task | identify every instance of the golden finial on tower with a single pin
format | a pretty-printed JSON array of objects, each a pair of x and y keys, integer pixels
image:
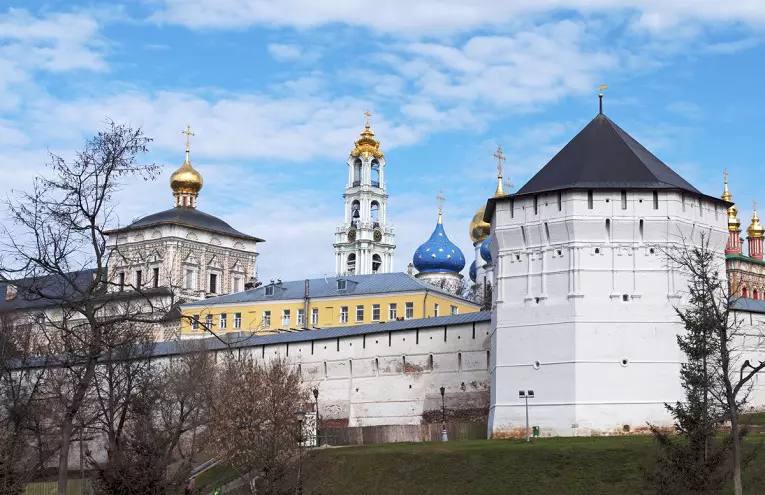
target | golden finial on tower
[
  {"x": 187, "y": 132},
  {"x": 755, "y": 229},
  {"x": 441, "y": 200},
  {"x": 726, "y": 195},
  {"x": 367, "y": 145},
  {"x": 600, "y": 96},
  {"x": 186, "y": 182},
  {"x": 368, "y": 115},
  {"x": 500, "y": 158}
]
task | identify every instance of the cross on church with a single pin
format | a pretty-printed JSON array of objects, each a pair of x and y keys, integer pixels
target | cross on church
[
  {"x": 441, "y": 200},
  {"x": 500, "y": 158},
  {"x": 367, "y": 115},
  {"x": 509, "y": 185},
  {"x": 188, "y": 134},
  {"x": 725, "y": 174}
]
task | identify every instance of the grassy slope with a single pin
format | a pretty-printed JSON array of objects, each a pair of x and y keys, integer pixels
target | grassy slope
[{"x": 599, "y": 465}]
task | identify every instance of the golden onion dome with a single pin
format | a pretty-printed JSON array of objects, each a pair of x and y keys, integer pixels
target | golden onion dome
[
  {"x": 734, "y": 224},
  {"x": 367, "y": 145},
  {"x": 755, "y": 230},
  {"x": 479, "y": 230},
  {"x": 186, "y": 179}
]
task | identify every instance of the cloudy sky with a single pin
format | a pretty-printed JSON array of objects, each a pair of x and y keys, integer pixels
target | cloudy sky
[{"x": 276, "y": 89}]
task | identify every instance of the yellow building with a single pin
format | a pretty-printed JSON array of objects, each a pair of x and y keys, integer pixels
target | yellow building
[{"x": 322, "y": 303}]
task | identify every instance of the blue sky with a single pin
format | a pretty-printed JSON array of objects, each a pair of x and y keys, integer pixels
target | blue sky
[{"x": 276, "y": 91}]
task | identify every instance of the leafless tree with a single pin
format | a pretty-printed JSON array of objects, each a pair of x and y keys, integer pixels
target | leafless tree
[
  {"x": 55, "y": 249},
  {"x": 712, "y": 306},
  {"x": 25, "y": 419},
  {"x": 254, "y": 428}
]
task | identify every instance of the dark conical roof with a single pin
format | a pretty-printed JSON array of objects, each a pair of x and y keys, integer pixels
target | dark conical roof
[{"x": 603, "y": 156}]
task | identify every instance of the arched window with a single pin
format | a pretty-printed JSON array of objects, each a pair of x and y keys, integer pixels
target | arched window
[
  {"x": 357, "y": 173},
  {"x": 374, "y": 209},
  {"x": 355, "y": 213},
  {"x": 351, "y": 264},
  {"x": 755, "y": 294},
  {"x": 375, "y": 173},
  {"x": 744, "y": 292},
  {"x": 376, "y": 263}
]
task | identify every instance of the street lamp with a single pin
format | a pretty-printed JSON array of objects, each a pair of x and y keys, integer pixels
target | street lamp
[
  {"x": 318, "y": 417},
  {"x": 444, "y": 435},
  {"x": 526, "y": 394},
  {"x": 300, "y": 416}
]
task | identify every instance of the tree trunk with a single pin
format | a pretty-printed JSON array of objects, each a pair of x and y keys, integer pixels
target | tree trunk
[
  {"x": 734, "y": 428},
  {"x": 63, "y": 456}
]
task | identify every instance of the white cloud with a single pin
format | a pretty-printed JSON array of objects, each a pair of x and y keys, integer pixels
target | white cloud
[
  {"x": 686, "y": 109},
  {"x": 730, "y": 47},
  {"x": 291, "y": 53}
]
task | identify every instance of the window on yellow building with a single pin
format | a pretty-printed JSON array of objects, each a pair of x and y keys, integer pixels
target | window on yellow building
[
  {"x": 208, "y": 322},
  {"x": 237, "y": 320},
  {"x": 435, "y": 309},
  {"x": 392, "y": 311},
  {"x": 195, "y": 322},
  {"x": 222, "y": 324},
  {"x": 285, "y": 317},
  {"x": 343, "y": 314},
  {"x": 300, "y": 317},
  {"x": 315, "y": 316},
  {"x": 359, "y": 313},
  {"x": 266, "y": 319},
  {"x": 409, "y": 310},
  {"x": 455, "y": 310},
  {"x": 375, "y": 312}
]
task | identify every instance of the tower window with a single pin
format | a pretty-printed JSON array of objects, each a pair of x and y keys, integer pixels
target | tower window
[
  {"x": 641, "y": 230},
  {"x": 156, "y": 276},
  {"x": 536, "y": 205},
  {"x": 547, "y": 233},
  {"x": 350, "y": 264},
  {"x": 682, "y": 200},
  {"x": 608, "y": 230},
  {"x": 590, "y": 200},
  {"x": 374, "y": 211},
  {"x": 357, "y": 173},
  {"x": 213, "y": 283},
  {"x": 512, "y": 208},
  {"x": 560, "y": 201},
  {"x": 376, "y": 263},
  {"x": 375, "y": 174},
  {"x": 624, "y": 199},
  {"x": 656, "y": 200}
]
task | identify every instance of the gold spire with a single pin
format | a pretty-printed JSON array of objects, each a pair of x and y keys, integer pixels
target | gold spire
[
  {"x": 441, "y": 200},
  {"x": 755, "y": 230},
  {"x": 500, "y": 158},
  {"x": 186, "y": 180},
  {"x": 734, "y": 224},
  {"x": 367, "y": 145}
]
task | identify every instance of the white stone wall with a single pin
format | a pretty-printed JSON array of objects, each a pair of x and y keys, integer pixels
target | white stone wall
[{"x": 585, "y": 308}]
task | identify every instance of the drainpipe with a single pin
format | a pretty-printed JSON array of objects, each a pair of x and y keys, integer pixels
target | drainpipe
[
  {"x": 424, "y": 305},
  {"x": 305, "y": 304}
]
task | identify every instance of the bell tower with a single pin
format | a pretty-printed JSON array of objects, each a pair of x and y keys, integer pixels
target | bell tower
[{"x": 365, "y": 242}]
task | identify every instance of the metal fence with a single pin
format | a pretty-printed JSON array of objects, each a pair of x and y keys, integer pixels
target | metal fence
[{"x": 368, "y": 435}]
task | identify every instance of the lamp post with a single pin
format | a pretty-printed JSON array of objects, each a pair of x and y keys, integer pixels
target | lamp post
[
  {"x": 300, "y": 416},
  {"x": 526, "y": 394},
  {"x": 318, "y": 417},
  {"x": 444, "y": 435}
]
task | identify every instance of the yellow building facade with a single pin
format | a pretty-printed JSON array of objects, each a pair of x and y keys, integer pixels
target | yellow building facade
[{"x": 321, "y": 303}]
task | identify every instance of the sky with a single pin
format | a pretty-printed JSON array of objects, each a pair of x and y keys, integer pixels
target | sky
[{"x": 276, "y": 91}]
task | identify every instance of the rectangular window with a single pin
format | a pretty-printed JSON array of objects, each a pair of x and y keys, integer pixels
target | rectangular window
[
  {"x": 155, "y": 276},
  {"x": 392, "y": 311},
  {"x": 454, "y": 310},
  {"x": 359, "y": 313},
  {"x": 624, "y": 199},
  {"x": 536, "y": 205},
  {"x": 237, "y": 285},
  {"x": 409, "y": 310},
  {"x": 301, "y": 317},
  {"x": 590, "y": 200},
  {"x": 315, "y": 316},
  {"x": 222, "y": 324},
  {"x": 285, "y": 317},
  {"x": 213, "y": 283},
  {"x": 195, "y": 322},
  {"x": 266, "y": 319},
  {"x": 375, "y": 312},
  {"x": 270, "y": 290},
  {"x": 560, "y": 201},
  {"x": 435, "y": 309},
  {"x": 237, "y": 320},
  {"x": 208, "y": 322},
  {"x": 122, "y": 280},
  {"x": 189, "y": 279},
  {"x": 343, "y": 314},
  {"x": 138, "y": 279},
  {"x": 656, "y": 200},
  {"x": 341, "y": 284}
]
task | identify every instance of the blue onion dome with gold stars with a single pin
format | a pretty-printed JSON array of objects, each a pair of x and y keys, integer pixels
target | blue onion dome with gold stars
[
  {"x": 473, "y": 271},
  {"x": 438, "y": 254},
  {"x": 486, "y": 250}
]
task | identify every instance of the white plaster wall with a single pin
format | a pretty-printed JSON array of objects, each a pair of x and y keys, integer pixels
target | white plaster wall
[{"x": 578, "y": 298}]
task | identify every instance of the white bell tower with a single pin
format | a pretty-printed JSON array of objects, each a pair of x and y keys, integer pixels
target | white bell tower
[{"x": 365, "y": 242}]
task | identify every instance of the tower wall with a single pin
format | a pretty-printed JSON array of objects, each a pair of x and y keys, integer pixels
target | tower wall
[{"x": 585, "y": 304}]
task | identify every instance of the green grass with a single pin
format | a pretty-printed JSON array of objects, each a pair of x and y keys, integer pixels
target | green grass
[{"x": 595, "y": 465}]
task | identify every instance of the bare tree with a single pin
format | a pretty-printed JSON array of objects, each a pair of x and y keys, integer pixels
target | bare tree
[
  {"x": 55, "y": 247},
  {"x": 25, "y": 419},
  {"x": 254, "y": 428},
  {"x": 711, "y": 311}
]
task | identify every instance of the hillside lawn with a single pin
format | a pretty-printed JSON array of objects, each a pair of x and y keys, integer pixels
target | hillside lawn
[{"x": 591, "y": 465}]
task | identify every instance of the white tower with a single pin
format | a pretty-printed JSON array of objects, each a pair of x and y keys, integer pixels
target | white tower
[
  {"x": 585, "y": 299},
  {"x": 364, "y": 243}
]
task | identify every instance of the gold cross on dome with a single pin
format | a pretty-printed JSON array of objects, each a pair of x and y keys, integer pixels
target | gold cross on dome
[
  {"x": 441, "y": 200},
  {"x": 368, "y": 116},
  {"x": 500, "y": 158},
  {"x": 188, "y": 134},
  {"x": 754, "y": 204},
  {"x": 725, "y": 174}
]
